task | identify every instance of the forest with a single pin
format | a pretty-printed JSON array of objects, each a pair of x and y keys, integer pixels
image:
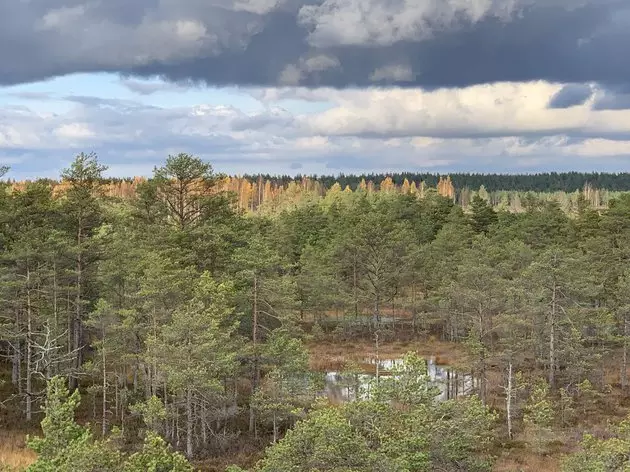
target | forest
[
  {"x": 382, "y": 328},
  {"x": 537, "y": 182}
]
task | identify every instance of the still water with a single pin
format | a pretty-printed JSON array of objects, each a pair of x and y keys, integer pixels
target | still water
[{"x": 347, "y": 387}]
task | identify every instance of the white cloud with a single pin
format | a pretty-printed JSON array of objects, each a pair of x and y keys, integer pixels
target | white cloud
[
  {"x": 502, "y": 109},
  {"x": 598, "y": 147},
  {"x": 12, "y": 137},
  {"x": 499, "y": 127},
  {"x": 74, "y": 131},
  {"x": 314, "y": 143}
]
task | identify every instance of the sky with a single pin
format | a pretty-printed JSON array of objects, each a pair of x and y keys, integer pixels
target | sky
[{"x": 316, "y": 86}]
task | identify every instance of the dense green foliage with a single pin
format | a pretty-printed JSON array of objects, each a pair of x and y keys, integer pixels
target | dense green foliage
[
  {"x": 185, "y": 321},
  {"x": 67, "y": 447},
  {"x": 400, "y": 428},
  {"x": 611, "y": 454},
  {"x": 538, "y": 182}
]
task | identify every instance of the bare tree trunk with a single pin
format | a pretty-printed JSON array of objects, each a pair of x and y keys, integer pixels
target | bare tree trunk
[
  {"x": 93, "y": 406},
  {"x": 204, "y": 425},
  {"x": 148, "y": 384},
  {"x": 167, "y": 429},
  {"x": 196, "y": 421},
  {"x": 123, "y": 402},
  {"x": 256, "y": 373},
  {"x": 378, "y": 360},
  {"x": 104, "y": 397},
  {"x": 189, "y": 423},
  {"x": 77, "y": 324},
  {"x": 53, "y": 365},
  {"x": 55, "y": 296},
  {"x": 482, "y": 360},
  {"x": 176, "y": 427},
  {"x": 377, "y": 315},
  {"x": 155, "y": 363},
  {"x": 275, "y": 428},
  {"x": 552, "y": 338},
  {"x": 354, "y": 286},
  {"x": 234, "y": 402},
  {"x": 16, "y": 361},
  {"x": 414, "y": 311},
  {"x": 448, "y": 384},
  {"x": 70, "y": 323},
  {"x": 508, "y": 402},
  {"x": 624, "y": 364},
  {"x": 456, "y": 385},
  {"x": 393, "y": 312},
  {"x": 116, "y": 399},
  {"x": 29, "y": 348}
]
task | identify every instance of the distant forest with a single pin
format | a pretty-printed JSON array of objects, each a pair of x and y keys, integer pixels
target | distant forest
[
  {"x": 540, "y": 182},
  {"x": 543, "y": 182}
]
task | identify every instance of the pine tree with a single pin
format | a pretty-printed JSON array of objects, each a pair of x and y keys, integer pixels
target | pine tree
[
  {"x": 65, "y": 446},
  {"x": 184, "y": 183},
  {"x": 539, "y": 415},
  {"x": 84, "y": 216},
  {"x": 268, "y": 294},
  {"x": 196, "y": 350},
  {"x": 483, "y": 215}
]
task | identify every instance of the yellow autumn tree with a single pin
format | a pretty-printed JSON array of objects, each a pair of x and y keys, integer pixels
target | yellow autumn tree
[
  {"x": 445, "y": 187},
  {"x": 388, "y": 185}
]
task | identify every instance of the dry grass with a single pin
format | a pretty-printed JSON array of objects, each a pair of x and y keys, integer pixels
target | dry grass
[
  {"x": 14, "y": 455},
  {"x": 524, "y": 462},
  {"x": 524, "y": 454},
  {"x": 327, "y": 356},
  {"x": 13, "y": 451},
  {"x": 246, "y": 459},
  {"x": 516, "y": 456}
]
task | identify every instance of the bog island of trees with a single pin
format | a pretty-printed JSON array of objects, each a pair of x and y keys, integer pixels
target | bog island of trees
[{"x": 194, "y": 321}]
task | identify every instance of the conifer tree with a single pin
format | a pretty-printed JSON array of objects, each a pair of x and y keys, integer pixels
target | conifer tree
[{"x": 83, "y": 215}]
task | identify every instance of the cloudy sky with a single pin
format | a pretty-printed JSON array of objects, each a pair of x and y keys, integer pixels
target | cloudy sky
[{"x": 316, "y": 86}]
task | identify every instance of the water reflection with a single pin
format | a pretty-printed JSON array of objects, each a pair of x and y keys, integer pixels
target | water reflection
[{"x": 344, "y": 387}]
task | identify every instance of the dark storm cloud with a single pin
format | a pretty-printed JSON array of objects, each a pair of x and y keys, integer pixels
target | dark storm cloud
[
  {"x": 610, "y": 100},
  {"x": 339, "y": 43},
  {"x": 571, "y": 95}
]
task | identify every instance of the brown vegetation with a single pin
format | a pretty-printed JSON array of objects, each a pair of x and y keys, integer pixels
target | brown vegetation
[
  {"x": 13, "y": 451},
  {"x": 328, "y": 355},
  {"x": 515, "y": 456},
  {"x": 252, "y": 195}
]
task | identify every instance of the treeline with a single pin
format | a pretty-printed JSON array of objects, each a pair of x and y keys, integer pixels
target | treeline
[
  {"x": 271, "y": 195},
  {"x": 535, "y": 182},
  {"x": 182, "y": 316},
  {"x": 543, "y": 182}
]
